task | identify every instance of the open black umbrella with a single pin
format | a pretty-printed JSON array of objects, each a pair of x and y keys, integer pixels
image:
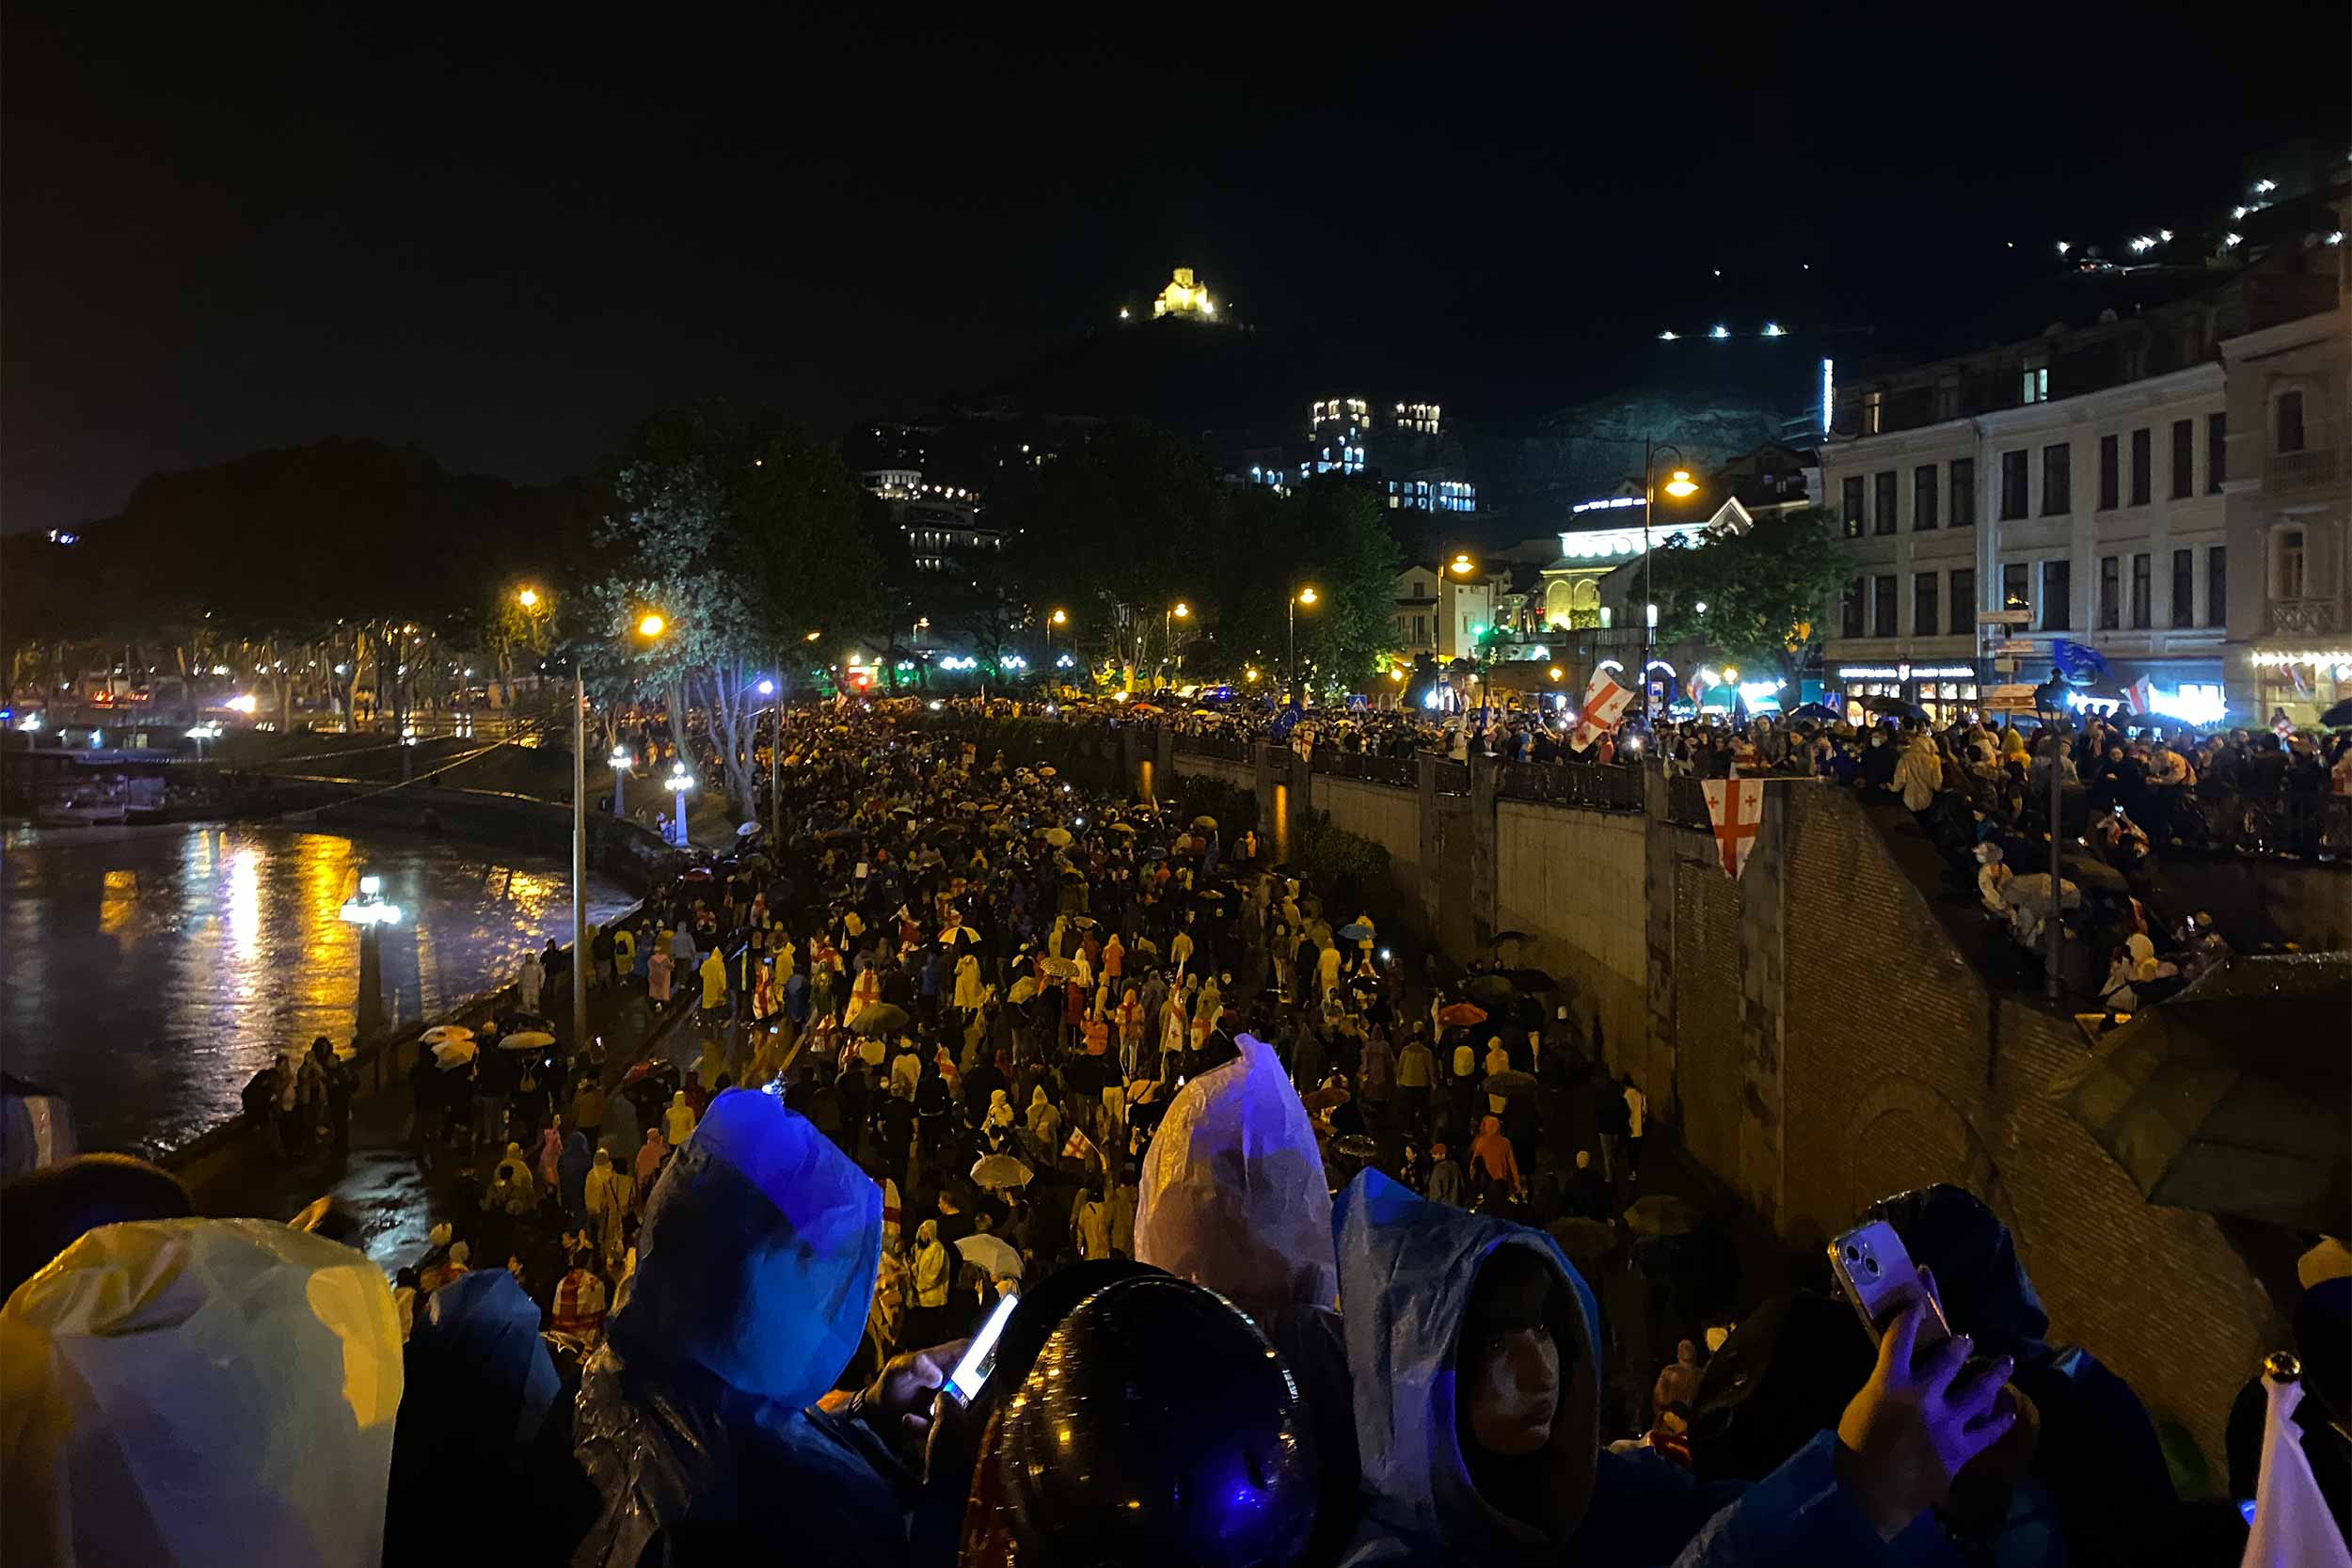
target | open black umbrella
[
  {"x": 2338, "y": 717},
  {"x": 1489, "y": 990},
  {"x": 1818, "y": 712},
  {"x": 1533, "y": 980},
  {"x": 1895, "y": 708},
  {"x": 2230, "y": 1097},
  {"x": 2093, "y": 875}
]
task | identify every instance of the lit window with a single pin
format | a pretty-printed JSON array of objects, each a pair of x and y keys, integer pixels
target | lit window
[{"x": 2035, "y": 385}]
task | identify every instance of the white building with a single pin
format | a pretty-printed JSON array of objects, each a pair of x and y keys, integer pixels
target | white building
[{"x": 2114, "y": 486}]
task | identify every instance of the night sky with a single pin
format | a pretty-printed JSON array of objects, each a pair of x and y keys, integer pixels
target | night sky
[{"x": 508, "y": 237}]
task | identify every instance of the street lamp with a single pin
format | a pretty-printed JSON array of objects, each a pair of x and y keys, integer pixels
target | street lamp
[
  {"x": 679, "y": 784},
  {"x": 1290, "y": 666},
  {"x": 371, "y": 912},
  {"x": 651, "y": 625},
  {"x": 1462, "y": 564},
  {"x": 621, "y": 762},
  {"x": 1178, "y": 611},
  {"x": 528, "y": 598},
  {"x": 1680, "y": 484}
]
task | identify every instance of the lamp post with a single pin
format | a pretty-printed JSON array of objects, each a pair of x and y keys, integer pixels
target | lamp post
[
  {"x": 371, "y": 912},
  {"x": 1290, "y": 659},
  {"x": 1679, "y": 485},
  {"x": 622, "y": 761},
  {"x": 679, "y": 784},
  {"x": 1060, "y": 617},
  {"x": 1180, "y": 611}
]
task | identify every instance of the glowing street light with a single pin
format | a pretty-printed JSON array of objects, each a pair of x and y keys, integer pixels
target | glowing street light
[
  {"x": 622, "y": 761},
  {"x": 1680, "y": 485},
  {"x": 1306, "y": 596},
  {"x": 651, "y": 625},
  {"x": 680, "y": 783},
  {"x": 1463, "y": 565},
  {"x": 371, "y": 912},
  {"x": 528, "y": 598}
]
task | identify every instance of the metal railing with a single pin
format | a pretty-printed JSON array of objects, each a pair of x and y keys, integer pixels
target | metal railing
[
  {"x": 1585, "y": 785},
  {"x": 1231, "y": 747},
  {"x": 1398, "y": 772},
  {"x": 1454, "y": 778},
  {"x": 1686, "y": 801}
]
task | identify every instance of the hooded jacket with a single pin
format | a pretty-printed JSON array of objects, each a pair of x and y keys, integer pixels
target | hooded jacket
[
  {"x": 1407, "y": 1281},
  {"x": 933, "y": 1272},
  {"x": 754, "y": 1277}
]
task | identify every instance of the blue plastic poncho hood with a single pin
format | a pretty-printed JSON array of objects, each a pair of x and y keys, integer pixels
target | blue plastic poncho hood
[
  {"x": 481, "y": 1332},
  {"x": 1406, "y": 1267},
  {"x": 756, "y": 1259}
]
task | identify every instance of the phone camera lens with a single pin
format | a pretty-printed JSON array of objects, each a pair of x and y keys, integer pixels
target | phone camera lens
[
  {"x": 1854, "y": 1255},
  {"x": 1871, "y": 1265}
]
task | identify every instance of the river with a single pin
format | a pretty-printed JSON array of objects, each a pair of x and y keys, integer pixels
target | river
[{"x": 150, "y": 971}]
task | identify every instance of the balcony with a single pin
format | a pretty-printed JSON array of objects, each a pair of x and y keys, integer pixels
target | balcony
[
  {"x": 2291, "y": 472},
  {"x": 2303, "y": 617}
]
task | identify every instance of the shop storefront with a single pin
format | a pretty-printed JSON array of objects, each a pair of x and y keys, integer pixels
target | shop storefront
[
  {"x": 2297, "y": 684},
  {"x": 1947, "y": 692}
]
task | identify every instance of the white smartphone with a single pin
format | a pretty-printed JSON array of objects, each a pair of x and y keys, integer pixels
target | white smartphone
[
  {"x": 971, "y": 1375},
  {"x": 1876, "y": 1272}
]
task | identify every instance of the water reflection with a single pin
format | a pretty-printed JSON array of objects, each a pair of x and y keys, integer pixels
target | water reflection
[{"x": 151, "y": 971}]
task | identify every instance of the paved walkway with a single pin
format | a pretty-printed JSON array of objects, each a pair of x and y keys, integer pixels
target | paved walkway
[{"x": 398, "y": 1202}]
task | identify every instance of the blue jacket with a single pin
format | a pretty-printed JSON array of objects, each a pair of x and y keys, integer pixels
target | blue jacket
[
  {"x": 754, "y": 1273},
  {"x": 1406, "y": 1267}
]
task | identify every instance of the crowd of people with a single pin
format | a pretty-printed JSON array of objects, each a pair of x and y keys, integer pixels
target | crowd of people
[{"x": 1319, "y": 1255}]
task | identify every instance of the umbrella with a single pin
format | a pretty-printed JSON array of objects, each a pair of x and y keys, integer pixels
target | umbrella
[
  {"x": 745, "y": 830},
  {"x": 1122, "y": 827},
  {"x": 999, "y": 1170},
  {"x": 880, "y": 1018},
  {"x": 440, "y": 1032},
  {"x": 1045, "y": 772},
  {"x": 2227, "y": 1097},
  {"x": 1460, "y": 1014},
  {"x": 1661, "y": 1214},
  {"x": 832, "y": 834},
  {"x": 1508, "y": 1084},
  {"x": 1502, "y": 937},
  {"x": 1210, "y": 894},
  {"x": 527, "y": 1039},
  {"x": 950, "y": 933},
  {"x": 2032, "y": 892},
  {"x": 1895, "y": 708},
  {"x": 1356, "y": 930},
  {"x": 1084, "y": 922},
  {"x": 2339, "y": 715},
  {"x": 1057, "y": 837},
  {"x": 1206, "y": 824},
  {"x": 992, "y": 1252},
  {"x": 1023, "y": 990},
  {"x": 2093, "y": 874},
  {"x": 1490, "y": 989},
  {"x": 450, "y": 1054},
  {"x": 1533, "y": 980},
  {"x": 1814, "y": 711},
  {"x": 1586, "y": 1241},
  {"x": 1059, "y": 969}
]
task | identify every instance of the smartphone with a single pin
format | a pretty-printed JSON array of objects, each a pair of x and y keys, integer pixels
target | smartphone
[
  {"x": 971, "y": 1375},
  {"x": 1879, "y": 1277}
]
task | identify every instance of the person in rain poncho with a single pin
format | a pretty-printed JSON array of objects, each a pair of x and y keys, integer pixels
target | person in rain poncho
[
  {"x": 650, "y": 1159},
  {"x": 1920, "y": 773},
  {"x": 934, "y": 1274},
  {"x": 1993, "y": 877},
  {"x": 1045, "y": 1119},
  {"x": 709, "y": 1067},
  {"x": 532, "y": 981},
  {"x": 572, "y": 1176},
  {"x": 1233, "y": 1197},
  {"x": 138, "y": 1361},
  {"x": 677, "y": 1123},
  {"x": 522, "y": 1195},
  {"x": 753, "y": 1282},
  {"x": 579, "y": 1298},
  {"x": 1477, "y": 1394},
  {"x": 610, "y": 1192},
  {"x": 657, "y": 977}
]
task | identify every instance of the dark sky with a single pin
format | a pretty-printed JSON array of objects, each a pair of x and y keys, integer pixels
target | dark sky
[{"x": 507, "y": 237}]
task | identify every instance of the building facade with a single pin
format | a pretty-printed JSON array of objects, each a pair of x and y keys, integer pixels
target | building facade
[{"x": 2166, "y": 489}]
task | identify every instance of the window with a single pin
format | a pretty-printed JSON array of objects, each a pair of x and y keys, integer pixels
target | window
[
  {"x": 2057, "y": 595},
  {"x": 2216, "y": 451},
  {"x": 1882, "y": 606},
  {"x": 2013, "y": 591},
  {"x": 2290, "y": 422},
  {"x": 1923, "y": 604},
  {"x": 1853, "y": 506},
  {"x": 2183, "y": 587},
  {"x": 2034, "y": 387},
  {"x": 1871, "y": 410},
  {"x": 2143, "y": 464},
  {"x": 1922, "y": 498},
  {"x": 2111, "y": 592},
  {"x": 2183, "y": 458},
  {"x": 2217, "y": 585},
  {"x": 2286, "y": 573},
  {"x": 1963, "y": 492},
  {"x": 1964, "y": 595},
  {"x": 1849, "y": 609},
  {"x": 2057, "y": 487},
  {"x": 2140, "y": 592},
  {"x": 1883, "y": 508},
  {"x": 2012, "y": 486},
  {"x": 2110, "y": 472}
]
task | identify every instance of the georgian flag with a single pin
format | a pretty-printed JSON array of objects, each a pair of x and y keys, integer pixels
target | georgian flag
[
  {"x": 1604, "y": 709},
  {"x": 2142, "y": 694},
  {"x": 1735, "y": 809},
  {"x": 2291, "y": 1527}
]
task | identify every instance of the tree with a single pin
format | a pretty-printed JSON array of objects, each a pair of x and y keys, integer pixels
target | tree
[
  {"x": 1764, "y": 592},
  {"x": 744, "y": 534}
]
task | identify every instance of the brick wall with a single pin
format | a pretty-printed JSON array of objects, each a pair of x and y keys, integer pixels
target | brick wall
[{"x": 1572, "y": 879}]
